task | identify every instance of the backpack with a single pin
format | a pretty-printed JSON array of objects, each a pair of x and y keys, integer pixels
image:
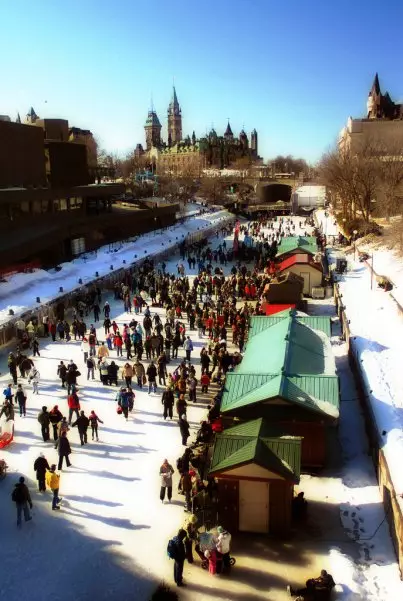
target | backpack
[
  {"x": 18, "y": 495},
  {"x": 171, "y": 549}
]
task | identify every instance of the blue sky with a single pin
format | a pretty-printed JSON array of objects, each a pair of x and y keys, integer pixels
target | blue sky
[{"x": 295, "y": 70}]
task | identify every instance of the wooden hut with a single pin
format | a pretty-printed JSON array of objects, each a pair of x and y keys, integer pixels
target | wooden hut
[
  {"x": 256, "y": 468},
  {"x": 288, "y": 376},
  {"x": 304, "y": 266},
  {"x": 286, "y": 289}
]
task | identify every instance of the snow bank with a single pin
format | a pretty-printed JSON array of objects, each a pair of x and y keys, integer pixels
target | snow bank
[
  {"x": 377, "y": 342},
  {"x": 19, "y": 292}
]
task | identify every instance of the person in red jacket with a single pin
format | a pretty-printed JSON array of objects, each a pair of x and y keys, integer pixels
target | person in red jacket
[
  {"x": 205, "y": 382},
  {"x": 119, "y": 344},
  {"x": 52, "y": 330},
  {"x": 74, "y": 405}
]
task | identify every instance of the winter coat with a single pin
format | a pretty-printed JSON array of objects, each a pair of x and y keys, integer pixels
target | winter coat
[
  {"x": 113, "y": 370},
  {"x": 94, "y": 419},
  {"x": 103, "y": 351},
  {"x": 181, "y": 405},
  {"x": 166, "y": 471},
  {"x": 55, "y": 416},
  {"x": 40, "y": 466},
  {"x": 63, "y": 446},
  {"x": 73, "y": 401},
  {"x": 127, "y": 371},
  {"x": 44, "y": 418},
  {"x": 62, "y": 371},
  {"x": 123, "y": 399},
  {"x": 22, "y": 491},
  {"x": 20, "y": 397},
  {"x": 82, "y": 423},
  {"x": 151, "y": 372},
  {"x": 167, "y": 398},
  {"x": 52, "y": 480},
  {"x": 184, "y": 427},
  {"x": 188, "y": 345},
  {"x": 139, "y": 369},
  {"x": 223, "y": 542}
]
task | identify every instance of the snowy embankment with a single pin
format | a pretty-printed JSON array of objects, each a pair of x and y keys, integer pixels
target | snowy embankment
[
  {"x": 19, "y": 292},
  {"x": 377, "y": 341}
]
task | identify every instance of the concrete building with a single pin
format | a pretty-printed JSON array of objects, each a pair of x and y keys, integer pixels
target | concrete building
[{"x": 50, "y": 207}]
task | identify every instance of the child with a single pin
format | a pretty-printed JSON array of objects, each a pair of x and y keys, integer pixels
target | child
[{"x": 33, "y": 377}]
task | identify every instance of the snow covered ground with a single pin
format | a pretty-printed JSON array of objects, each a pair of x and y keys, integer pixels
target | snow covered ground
[
  {"x": 19, "y": 292},
  {"x": 109, "y": 539}
]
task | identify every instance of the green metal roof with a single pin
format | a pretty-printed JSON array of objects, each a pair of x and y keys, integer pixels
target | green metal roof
[
  {"x": 258, "y": 442},
  {"x": 260, "y": 323},
  {"x": 287, "y": 360},
  {"x": 305, "y": 243}
]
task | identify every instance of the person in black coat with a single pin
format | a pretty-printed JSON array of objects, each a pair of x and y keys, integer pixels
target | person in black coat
[
  {"x": 44, "y": 420},
  {"x": 113, "y": 373},
  {"x": 22, "y": 499},
  {"x": 82, "y": 423},
  {"x": 64, "y": 450},
  {"x": 184, "y": 428},
  {"x": 55, "y": 417},
  {"x": 179, "y": 556},
  {"x": 168, "y": 402},
  {"x": 40, "y": 466}
]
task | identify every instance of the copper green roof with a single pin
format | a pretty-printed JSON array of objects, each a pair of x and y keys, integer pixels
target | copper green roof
[
  {"x": 288, "y": 361},
  {"x": 262, "y": 322},
  {"x": 259, "y": 443},
  {"x": 291, "y": 243}
]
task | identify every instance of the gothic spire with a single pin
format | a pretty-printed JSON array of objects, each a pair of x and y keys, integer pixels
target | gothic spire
[
  {"x": 18, "y": 120},
  {"x": 375, "y": 86}
]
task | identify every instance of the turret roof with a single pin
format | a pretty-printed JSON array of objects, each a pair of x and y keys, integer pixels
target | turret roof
[
  {"x": 375, "y": 86},
  {"x": 228, "y": 131},
  {"x": 152, "y": 120},
  {"x": 174, "y": 104}
]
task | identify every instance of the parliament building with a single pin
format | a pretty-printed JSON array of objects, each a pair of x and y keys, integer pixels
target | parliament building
[{"x": 190, "y": 155}]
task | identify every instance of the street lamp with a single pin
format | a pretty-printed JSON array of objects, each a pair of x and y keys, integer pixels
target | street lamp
[{"x": 355, "y": 232}]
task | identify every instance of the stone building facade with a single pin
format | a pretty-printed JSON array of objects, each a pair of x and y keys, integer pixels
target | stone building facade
[{"x": 190, "y": 155}]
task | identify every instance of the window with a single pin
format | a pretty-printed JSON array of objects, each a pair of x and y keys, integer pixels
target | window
[
  {"x": 63, "y": 204},
  {"x": 24, "y": 206},
  {"x": 77, "y": 246}
]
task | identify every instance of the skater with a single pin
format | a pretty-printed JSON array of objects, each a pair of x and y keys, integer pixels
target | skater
[
  {"x": 74, "y": 405},
  {"x": 55, "y": 417},
  {"x": 94, "y": 421},
  {"x": 40, "y": 466},
  {"x": 90, "y": 368},
  {"x": 8, "y": 393},
  {"x": 168, "y": 402},
  {"x": 140, "y": 373},
  {"x": 152, "y": 375},
  {"x": 166, "y": 472},
  {"x": 12, "y": 367},
  {"x": 127, "y": 374},
  {"x": 184, "y": 429},
  {"x": 188, "y": 346},
  {"x": 33, "y": 377},
  {"x": 61, "y": 372},
  {"x": 176, "y": 551},
  {"x": 22, "y": 499},
  {"x": 82, "y": 423},
  {"x": 21, "y": 399},
  {"x": 35, "y": 347},
  {"x": 122, "y": 399},
  {"x": 64, "y": 449},
  {"x": 53, "y": 482},
  {"x": 44, "y": 420}
]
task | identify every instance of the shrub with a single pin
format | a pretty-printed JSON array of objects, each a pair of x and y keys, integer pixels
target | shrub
[{"x": 363, "y": 228}]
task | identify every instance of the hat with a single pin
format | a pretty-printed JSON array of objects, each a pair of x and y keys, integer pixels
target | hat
[
  {"x": 53, "y": 466},
  {"x": 220, "y": 529}
]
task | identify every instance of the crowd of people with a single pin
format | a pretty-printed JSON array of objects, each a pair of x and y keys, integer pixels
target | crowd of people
[{"x": 155, "y": 352}]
